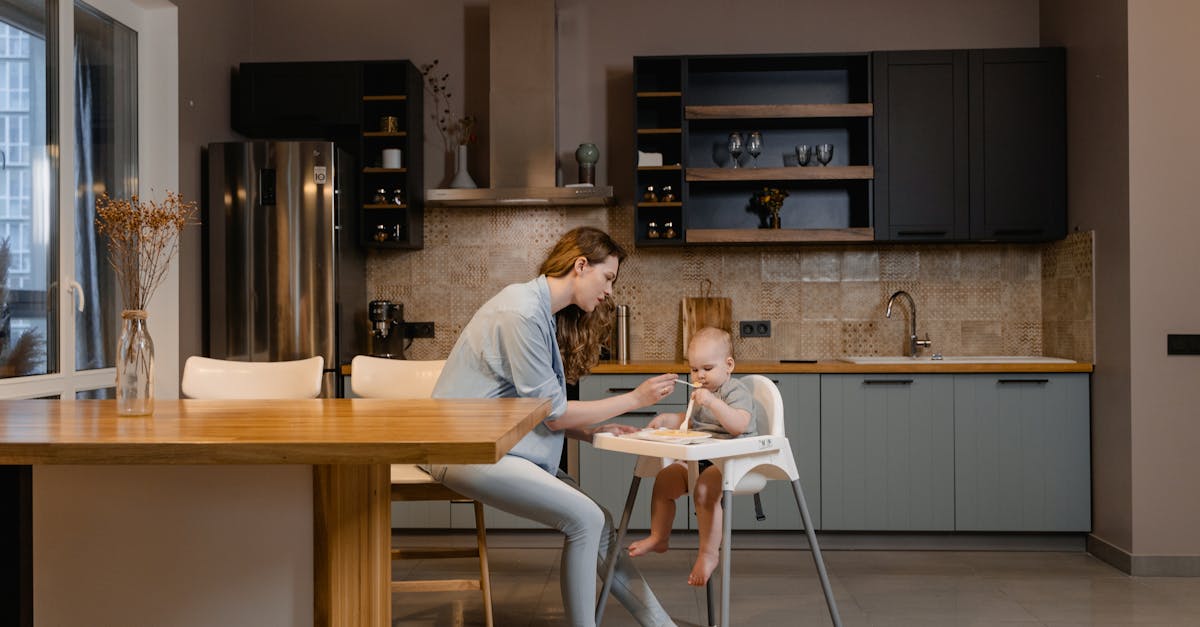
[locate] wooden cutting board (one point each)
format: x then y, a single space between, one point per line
704 311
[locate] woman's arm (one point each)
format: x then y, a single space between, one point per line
584 413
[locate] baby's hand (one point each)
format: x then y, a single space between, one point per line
703 397
666 421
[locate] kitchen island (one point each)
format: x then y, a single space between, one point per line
226 512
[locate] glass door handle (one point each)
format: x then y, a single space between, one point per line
76 290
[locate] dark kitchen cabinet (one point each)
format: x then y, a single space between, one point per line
366 107
970 145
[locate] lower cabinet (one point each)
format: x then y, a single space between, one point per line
1022 445
887 452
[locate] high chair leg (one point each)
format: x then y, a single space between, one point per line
816 553
726 544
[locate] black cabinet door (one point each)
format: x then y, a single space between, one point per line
921 145
1018 144
296 100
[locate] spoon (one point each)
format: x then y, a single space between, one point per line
689 384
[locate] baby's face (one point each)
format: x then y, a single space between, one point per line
711 365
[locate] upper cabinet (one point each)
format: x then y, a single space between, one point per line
970 145
692 188
371 109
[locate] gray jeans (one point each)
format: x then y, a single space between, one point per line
520 487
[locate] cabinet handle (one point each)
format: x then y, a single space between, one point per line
619 390
887 381
1037 381
1017 231
920 233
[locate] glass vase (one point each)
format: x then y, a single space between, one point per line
135 366
462 179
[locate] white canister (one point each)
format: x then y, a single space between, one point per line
391 158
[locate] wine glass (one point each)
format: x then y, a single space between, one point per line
803 154
735 147
824 153
754 146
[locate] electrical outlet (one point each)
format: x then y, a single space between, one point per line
755 328
414 330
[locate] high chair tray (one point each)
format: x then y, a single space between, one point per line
704 449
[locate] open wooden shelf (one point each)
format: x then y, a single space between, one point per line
806 173
659 94
659 131
733 112
386 205
660 204
383 170
778 236
384 97
648 168
385 134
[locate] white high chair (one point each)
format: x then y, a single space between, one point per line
745 463
375 377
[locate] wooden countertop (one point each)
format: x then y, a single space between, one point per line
834 366
321 431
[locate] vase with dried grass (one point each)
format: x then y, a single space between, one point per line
142 236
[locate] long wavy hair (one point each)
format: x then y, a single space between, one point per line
581 334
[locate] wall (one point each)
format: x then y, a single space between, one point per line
1163 296
1098 200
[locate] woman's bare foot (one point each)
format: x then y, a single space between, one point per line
705 564
642 547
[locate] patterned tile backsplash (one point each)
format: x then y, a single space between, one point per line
823 301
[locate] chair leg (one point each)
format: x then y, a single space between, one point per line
614 550
816 553
711 593
485 578
726 544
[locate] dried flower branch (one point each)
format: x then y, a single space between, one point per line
142 239
454 131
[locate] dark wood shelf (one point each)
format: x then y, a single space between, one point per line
660 204
659 94
778 236
385 134
660 168
659 131
384 206
806 173
384 97
735 112
384 170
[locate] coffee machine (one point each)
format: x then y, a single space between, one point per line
387 329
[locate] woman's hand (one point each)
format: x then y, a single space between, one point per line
666 421
654 389
615 429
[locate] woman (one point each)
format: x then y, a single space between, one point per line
529 341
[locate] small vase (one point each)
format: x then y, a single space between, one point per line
135 366
462 179
776 223
587 155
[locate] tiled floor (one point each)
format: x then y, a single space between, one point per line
780 587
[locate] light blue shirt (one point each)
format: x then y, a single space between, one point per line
509 349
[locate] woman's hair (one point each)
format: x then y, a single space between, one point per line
580 334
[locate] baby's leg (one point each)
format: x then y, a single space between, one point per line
670 484
708 513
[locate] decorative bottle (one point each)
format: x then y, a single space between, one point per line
135 366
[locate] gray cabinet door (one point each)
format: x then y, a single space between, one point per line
1022 452
606 475
802 426
887 452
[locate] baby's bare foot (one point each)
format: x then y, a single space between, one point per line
642 547
705 564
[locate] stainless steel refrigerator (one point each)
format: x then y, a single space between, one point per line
285 277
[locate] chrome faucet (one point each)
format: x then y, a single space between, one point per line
913 342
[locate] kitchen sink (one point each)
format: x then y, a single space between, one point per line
956 359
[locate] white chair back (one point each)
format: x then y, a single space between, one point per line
208 378
376 377
767 395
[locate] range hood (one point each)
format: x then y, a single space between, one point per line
523 115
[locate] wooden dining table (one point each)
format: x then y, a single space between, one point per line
349 444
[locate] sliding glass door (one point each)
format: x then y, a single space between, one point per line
71 112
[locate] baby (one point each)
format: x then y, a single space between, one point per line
721 405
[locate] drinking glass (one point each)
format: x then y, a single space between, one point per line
824 153
735 147
754 146
803 154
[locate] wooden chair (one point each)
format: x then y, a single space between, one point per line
204 377
374 377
